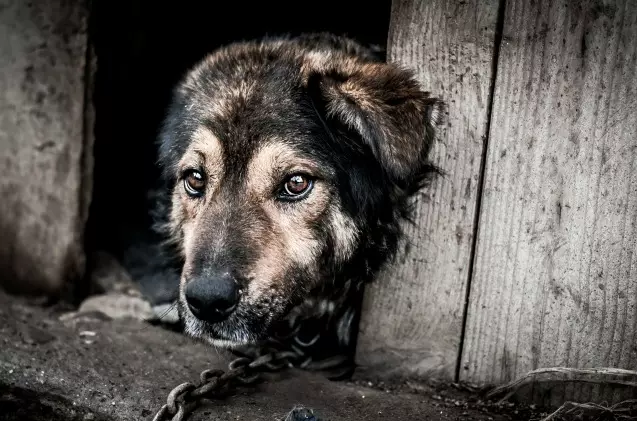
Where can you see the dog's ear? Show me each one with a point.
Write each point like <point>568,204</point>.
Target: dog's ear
<point>385,105</point>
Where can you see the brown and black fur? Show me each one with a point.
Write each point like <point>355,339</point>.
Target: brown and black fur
<point>248,115</point>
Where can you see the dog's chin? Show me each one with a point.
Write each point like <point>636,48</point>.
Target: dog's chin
<point>230,334</point>
<point>204,331</point>
<point>224,343</point>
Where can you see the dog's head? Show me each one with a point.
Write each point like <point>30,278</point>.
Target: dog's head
<point>289,167</point>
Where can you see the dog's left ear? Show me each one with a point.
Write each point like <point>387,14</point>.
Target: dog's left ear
<point>385,105</point>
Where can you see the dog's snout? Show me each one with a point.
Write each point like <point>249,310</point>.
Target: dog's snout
<point>212,298</point>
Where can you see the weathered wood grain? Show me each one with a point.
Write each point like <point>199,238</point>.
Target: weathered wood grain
<point>44,156</point>
<point>412,316</point>
<point>555,280</point>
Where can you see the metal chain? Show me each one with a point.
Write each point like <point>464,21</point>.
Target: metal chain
<point>285,350</point>
<point>186,397</point>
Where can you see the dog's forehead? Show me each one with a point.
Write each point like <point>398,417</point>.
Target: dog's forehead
<point>237,87</point>
<point>263,136</point>
<point>250,149</point>
<point>257,120</point>
<point>250,99</point>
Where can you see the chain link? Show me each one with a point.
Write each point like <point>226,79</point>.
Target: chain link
<point>186,397</point>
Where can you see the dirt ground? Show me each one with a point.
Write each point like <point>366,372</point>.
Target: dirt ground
<point>90,367</point>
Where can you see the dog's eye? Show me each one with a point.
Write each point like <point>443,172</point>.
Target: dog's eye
<point>296,187</point>
<point>194,183</point>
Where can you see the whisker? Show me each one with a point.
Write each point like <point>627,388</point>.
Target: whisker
<point>159,319</point>
<point>173,306</point>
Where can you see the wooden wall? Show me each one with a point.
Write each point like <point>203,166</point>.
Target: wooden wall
<point>45,136</point>
<point>423,297</point>
<point>552,277</point>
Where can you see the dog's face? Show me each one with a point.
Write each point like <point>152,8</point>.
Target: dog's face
<point>285,166</point>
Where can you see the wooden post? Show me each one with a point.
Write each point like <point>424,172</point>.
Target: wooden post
<point>555,280</point>
<point>412,316</point>
<point>45,143</point>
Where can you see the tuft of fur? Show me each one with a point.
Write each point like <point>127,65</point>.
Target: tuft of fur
<point>319,100</point>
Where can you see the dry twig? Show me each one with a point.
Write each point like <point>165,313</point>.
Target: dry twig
<point>626,410</point>
<point>605,376</point>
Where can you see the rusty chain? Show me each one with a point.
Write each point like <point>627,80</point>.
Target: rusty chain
<point>285,349</point>
<point>186,397</point>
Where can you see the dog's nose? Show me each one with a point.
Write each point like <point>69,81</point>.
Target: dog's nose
<point>212,298</point>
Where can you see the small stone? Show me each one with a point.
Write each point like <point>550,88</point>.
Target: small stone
<point>86,333</point>
<point>301,414</point>
<point>86,317</point>
<point>118,306</point>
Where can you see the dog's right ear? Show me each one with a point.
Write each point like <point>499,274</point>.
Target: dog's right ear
<point>385,106</point>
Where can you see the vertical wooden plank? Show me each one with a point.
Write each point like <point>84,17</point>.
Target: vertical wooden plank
<point>44,152</point>
<point>555,280</point>
<point>412,315</point>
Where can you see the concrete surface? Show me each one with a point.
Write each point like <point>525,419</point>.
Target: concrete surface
<point>91,368</point>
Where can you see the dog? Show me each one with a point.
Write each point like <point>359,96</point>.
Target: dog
<point>288,165</point>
